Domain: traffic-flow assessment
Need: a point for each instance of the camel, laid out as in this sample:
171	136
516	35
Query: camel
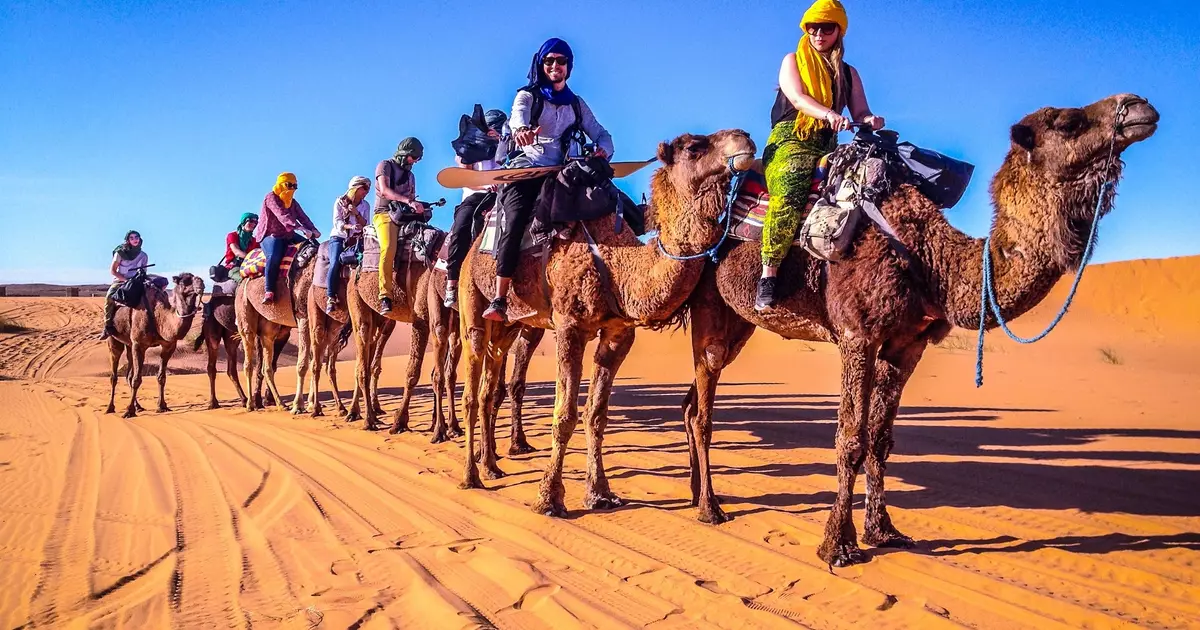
647	287
220	326
167	322
883	307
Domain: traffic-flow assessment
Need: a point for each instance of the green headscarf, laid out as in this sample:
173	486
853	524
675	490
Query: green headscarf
127	251
409	146
244	237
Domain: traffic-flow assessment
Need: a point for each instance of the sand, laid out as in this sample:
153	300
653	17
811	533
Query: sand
1060	495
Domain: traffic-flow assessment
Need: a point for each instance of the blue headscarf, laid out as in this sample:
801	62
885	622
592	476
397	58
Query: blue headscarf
537	76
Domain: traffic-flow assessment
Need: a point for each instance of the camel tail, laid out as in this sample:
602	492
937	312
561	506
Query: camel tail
343	337
678	320
199	341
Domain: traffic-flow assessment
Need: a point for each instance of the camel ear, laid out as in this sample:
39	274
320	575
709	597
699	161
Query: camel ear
175	279
666	153
1023	136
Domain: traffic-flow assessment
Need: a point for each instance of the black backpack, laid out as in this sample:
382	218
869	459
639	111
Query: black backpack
132	291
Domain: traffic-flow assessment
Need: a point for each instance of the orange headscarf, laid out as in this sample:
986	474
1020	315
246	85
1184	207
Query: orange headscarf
283	191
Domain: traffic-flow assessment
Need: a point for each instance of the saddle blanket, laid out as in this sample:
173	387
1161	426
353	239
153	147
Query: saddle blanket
255	264
750	207
417	243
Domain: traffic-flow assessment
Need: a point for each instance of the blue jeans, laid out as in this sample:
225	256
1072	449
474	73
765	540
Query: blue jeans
336	245
275	247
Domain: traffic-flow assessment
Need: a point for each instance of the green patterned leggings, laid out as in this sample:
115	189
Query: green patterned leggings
788	164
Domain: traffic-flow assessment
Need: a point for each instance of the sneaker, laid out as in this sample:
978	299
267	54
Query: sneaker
268	297
385	306
766	294
497	311
451	299
331	304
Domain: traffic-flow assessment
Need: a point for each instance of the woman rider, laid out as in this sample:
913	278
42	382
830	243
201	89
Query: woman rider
240	242
465	215
351	213
815	86
543	142
127	258
282	216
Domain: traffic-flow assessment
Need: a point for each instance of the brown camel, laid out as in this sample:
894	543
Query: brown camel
646	288
220	326
447	349
166	322
883	307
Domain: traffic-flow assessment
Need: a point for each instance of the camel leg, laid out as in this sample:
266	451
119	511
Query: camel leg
383	335
500	339
135	380
438	377
268	370
611	351
164	358
453	353
717	338
891	374
129	376
231	367
522	354
250	365
320	348
304	353
333	384
840	547
570	345
212	345
416	355
115	350
476	342
365	332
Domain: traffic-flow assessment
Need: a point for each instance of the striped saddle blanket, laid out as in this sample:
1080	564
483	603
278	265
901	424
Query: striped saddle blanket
750	207
255	264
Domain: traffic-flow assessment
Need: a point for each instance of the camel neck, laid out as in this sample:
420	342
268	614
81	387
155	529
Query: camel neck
171	327
1039	232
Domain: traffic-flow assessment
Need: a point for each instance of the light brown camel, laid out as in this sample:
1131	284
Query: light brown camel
447	349
163	325
220	327
646	288
882	308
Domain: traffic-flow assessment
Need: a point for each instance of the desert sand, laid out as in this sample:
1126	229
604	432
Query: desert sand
1063	494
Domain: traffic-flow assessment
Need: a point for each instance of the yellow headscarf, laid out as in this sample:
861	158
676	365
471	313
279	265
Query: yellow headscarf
283	191
814	71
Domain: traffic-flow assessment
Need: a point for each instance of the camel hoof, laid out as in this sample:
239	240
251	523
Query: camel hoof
297	410
353	416
129	413
342	412
713	514
139	407
545	507
110	409
521	448
439	438
493	472
396	429
214	405
455	433
317	413
164	409
471	481
889	540
842	555
379	410
608	501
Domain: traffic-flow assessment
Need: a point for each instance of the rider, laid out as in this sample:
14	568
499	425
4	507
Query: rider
128	257
281	217
815	86
351	214
240	242
459	238
545	141
395	201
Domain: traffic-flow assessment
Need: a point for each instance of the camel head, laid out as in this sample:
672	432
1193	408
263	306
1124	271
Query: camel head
1058	159
188	293
690	187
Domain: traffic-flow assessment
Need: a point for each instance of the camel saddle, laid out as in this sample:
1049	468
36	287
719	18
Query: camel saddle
417	242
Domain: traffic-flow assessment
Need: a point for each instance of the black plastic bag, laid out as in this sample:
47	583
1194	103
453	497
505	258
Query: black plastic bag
473	143
941	178
131	292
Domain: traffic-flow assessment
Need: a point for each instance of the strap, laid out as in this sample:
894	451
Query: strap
606	285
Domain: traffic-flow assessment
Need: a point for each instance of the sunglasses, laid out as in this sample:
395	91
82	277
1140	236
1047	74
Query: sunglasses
290	186
824	28
551	61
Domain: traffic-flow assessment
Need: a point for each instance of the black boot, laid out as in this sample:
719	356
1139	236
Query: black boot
766	294
497	311
385	306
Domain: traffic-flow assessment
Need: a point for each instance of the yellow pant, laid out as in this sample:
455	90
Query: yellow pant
387	232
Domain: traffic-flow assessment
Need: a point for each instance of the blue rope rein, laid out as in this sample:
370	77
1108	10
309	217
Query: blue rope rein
987	292
735	186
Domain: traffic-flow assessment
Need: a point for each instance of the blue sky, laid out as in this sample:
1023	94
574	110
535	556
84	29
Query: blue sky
174	118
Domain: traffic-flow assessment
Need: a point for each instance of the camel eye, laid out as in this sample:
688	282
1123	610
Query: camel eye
697	147
1071	122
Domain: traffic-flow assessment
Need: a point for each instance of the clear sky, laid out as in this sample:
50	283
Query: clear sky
174	118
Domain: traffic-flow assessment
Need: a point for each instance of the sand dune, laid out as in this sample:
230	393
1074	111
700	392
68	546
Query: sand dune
1058	496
